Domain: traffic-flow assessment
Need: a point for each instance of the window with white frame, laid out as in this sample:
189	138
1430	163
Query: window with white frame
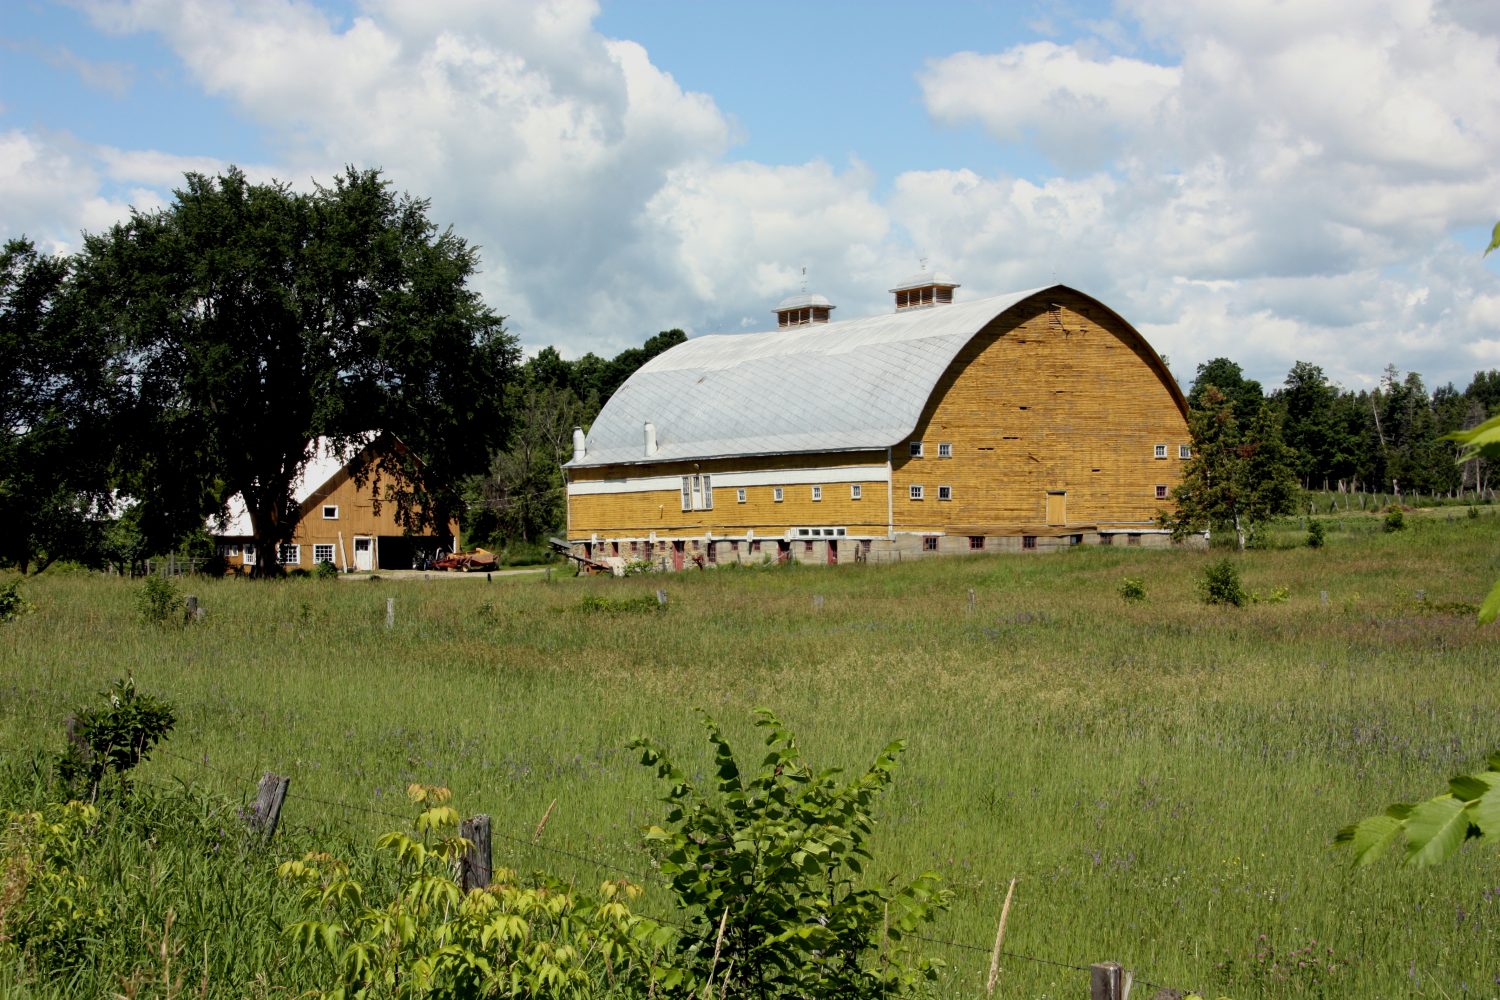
229	551
706	493
1161	451
249	555
330	512
290	555
739	495
945	493
687	492
945	450
916	449
697	492
817	493
856	491
915	492
1184	451
322	553
1161	492
778	494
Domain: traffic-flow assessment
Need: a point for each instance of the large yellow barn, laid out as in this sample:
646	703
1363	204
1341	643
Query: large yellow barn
1032	420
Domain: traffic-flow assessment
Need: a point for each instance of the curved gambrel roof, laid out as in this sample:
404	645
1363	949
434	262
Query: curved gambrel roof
850	385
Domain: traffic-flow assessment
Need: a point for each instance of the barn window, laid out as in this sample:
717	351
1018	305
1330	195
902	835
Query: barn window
1184	451
697	493
916	492
1161	451
916	449
807	546
755	545
290	555
856	491
929	543
322	553
945	450
708	494
739	496
817	493
976	542
687	492
1161	491
1132	539
331	512
228	551
945	493
1028	541
778	494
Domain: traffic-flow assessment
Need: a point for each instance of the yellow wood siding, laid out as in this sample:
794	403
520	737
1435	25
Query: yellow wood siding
637	514
1044	400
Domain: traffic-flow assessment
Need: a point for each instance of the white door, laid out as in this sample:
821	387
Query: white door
364	551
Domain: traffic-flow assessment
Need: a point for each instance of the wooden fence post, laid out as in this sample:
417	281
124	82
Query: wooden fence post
390	612
193	611
817	602
661	598
1106	981
971	600
475	866
265	814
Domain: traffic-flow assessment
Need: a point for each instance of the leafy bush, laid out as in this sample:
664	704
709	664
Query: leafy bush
159	602
12	604
47	911
1315	534
1133	590
616	605
1221	585
1395	520
326	570
114	738
768	870
431	939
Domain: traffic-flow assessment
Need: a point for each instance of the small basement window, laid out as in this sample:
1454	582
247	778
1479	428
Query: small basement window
916	449
322	553
976	542
817	493
1161	451
1161	491
1028	541
929	543
945	493
916	492
945	450
856	491
330	512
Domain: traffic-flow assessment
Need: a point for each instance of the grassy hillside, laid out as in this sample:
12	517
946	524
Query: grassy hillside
1164	777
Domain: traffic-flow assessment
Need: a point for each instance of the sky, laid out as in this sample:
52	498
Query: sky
1270	181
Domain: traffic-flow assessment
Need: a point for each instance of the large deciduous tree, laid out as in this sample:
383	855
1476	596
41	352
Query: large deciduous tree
258	319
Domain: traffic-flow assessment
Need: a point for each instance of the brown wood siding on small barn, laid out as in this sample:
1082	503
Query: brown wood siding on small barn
1044	400
636	514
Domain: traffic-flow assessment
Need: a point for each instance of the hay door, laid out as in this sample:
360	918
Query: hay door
1057	507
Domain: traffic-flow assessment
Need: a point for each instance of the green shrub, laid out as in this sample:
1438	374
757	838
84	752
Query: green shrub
430	938
113	738
1315	534
326	570
12	604
48	912
160	603
1133	590
1221	584
1395	520
768	872
1473	512
615	605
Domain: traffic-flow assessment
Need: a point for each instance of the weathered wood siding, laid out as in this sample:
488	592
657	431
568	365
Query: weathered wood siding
634	513
1066	399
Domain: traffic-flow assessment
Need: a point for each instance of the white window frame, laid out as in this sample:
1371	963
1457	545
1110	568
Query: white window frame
229	551
739	495
914	491
333	507
945	450
687	492
296	550
697	492
706	495
778	494
915	448
247	555
1184	451
856	491
1161	451
1162	492
318	557
945	493
817	493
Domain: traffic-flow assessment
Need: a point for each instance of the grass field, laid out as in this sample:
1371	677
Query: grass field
1163	777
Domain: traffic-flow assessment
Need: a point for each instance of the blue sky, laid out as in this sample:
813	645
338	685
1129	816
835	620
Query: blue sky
1263	180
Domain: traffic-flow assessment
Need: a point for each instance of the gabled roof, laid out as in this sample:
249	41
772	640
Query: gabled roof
325	463
843	386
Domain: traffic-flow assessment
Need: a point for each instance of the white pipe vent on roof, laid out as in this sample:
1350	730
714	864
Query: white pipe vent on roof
650	439
578	444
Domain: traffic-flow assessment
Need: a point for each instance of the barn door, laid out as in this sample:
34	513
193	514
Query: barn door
677	551
1057	507
833	552
364	553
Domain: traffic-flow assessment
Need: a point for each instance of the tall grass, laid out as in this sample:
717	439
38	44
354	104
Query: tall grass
1164	777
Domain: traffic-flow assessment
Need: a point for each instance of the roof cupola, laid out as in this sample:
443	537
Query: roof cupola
804	308
923	289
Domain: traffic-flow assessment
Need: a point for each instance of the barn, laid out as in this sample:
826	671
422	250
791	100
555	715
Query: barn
1033	420
338	519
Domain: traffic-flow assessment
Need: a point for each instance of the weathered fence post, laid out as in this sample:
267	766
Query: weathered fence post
661	598
265	814
193	611
971	600
549	574
390	612
475	866
817	602
1106	981
1323	597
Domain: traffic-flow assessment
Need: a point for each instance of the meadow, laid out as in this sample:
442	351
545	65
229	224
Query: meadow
1163	777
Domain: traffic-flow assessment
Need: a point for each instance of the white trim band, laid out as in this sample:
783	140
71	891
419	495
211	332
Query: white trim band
735	480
